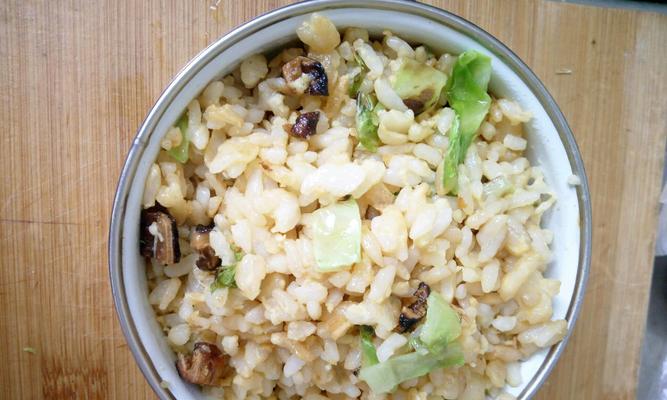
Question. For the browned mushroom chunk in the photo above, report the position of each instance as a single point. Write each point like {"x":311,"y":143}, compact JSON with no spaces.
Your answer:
{"x":316,"y":79}
{"x":207,"y":365}
{"x":305,"y":125}
{"x":418,"y":103}
{"x":200,"y":242}
{"x":416,"y":310}
{"x":158,"y":236}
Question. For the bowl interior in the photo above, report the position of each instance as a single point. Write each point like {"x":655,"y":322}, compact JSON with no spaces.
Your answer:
{"x":545,"y":150}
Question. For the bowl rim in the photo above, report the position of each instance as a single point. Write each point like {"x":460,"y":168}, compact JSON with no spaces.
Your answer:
{"x":438,"y":15}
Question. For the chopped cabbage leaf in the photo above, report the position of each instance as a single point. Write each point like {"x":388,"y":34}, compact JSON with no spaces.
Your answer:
{"x":367,"y":122}
{"x":466,"y":94}
{"x":435,"y":347}
{"x":358,"y":79}
{"x":385,"y":376}
{"x":337,"y":236}
{"x":368,"y":353}
{"x":442,"y":324}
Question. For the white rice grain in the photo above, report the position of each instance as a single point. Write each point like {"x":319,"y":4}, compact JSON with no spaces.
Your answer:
{"x":573,"y":180}
{"x":390,"y":345}
{"x":504,"y":324}
{"x":381,"y":285}
{"x":330,"y":352}
{"x":515,"y":143}
{"x":388,"y":97}
{"x":179,"y":334}
{"x":250,"y":272}
{"x":292,"y":366}
{"x":300,"y":330}
{"x":164,"y":293}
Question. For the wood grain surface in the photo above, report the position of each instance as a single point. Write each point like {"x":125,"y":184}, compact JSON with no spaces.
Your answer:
{"x":78,"y":77}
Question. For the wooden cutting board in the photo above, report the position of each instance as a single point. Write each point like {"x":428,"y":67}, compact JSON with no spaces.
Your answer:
{"x":78,"y":77}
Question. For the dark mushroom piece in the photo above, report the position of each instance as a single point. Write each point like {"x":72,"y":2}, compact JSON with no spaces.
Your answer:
{"x":206,"y":365}
{"x":204,"y":228}
{"x":200,"y":242}
{"x":418,"y":103}
{"x":416,"y":310}
{"x":319,"y":82}
{"x":305,"y":125}
{"x":158,"y":236}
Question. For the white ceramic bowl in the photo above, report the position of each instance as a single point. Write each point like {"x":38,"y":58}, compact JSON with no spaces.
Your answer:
{"x":551,"y":145}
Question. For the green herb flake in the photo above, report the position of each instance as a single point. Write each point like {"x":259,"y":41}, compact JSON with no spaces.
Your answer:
{"x":225,"y":277}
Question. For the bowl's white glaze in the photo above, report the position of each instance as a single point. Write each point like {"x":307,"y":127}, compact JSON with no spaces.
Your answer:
{"x":545,"y":149}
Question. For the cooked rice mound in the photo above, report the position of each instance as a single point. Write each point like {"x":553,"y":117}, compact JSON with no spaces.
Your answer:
{"x":257,"y":171}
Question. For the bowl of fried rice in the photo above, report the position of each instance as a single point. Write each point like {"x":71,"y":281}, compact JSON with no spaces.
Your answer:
{"x":343,"y":200}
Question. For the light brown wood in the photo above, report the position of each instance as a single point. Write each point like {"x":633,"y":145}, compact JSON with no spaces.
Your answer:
{"x":77,"y":78}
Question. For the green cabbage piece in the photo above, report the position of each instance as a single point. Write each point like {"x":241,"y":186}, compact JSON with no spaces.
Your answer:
{"x":367,"y":122}
{"x":435,"y":347}
{"x":442,"y":324}
{"x":368,"y":353}
{"x":385,"y":376}
{"x":180,"y":153}
{"x":337,"y":236}
{"x":467,"y":94}
{"x":418,"y":84}
{"x":358,"y":79}
{"x":451,"y":162}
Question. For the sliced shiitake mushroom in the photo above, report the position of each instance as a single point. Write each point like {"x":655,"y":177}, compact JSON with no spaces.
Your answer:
{"x":158,"y":236}
{"x":319,"y":82}
{"x":305,"y":125}
{"x":416,"y":310}
{"x":206,"y":365}
{"x":200,"y":242}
